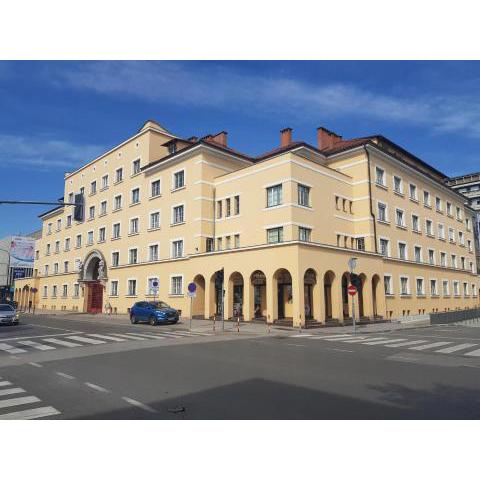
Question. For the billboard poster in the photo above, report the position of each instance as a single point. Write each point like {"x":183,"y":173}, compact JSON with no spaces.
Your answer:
{"x":22,"y":252}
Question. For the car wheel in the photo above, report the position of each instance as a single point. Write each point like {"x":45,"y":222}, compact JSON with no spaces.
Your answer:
{"x":153,"y":321}
{"x":133,"y":319}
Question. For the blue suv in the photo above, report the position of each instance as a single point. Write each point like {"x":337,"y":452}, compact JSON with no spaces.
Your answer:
{"x":153,"y":313}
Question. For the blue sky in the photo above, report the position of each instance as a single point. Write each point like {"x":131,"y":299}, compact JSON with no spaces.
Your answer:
{"x":56,"y":116}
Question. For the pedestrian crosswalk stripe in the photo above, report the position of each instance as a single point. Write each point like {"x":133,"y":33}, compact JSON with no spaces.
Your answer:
{"x":63,"y":343}
{"x":93,"y":341}
{"x":456,"y":348}
{"x":11,"y":391}
{"x":131,"y":337}
{"x":4,"y":383}
{"x":12,"y":402}
{"x":384,"y":342}
{"x":302,"y":335}
{"x":405,"y":344}
{"x":36,"y":345}
{"x":30,"y":414}
{"x":474,"y":353}
{"x":9,"y":349}
{"x":332,"y":337}
{"x":429,"y":345}
{"x":107,"y":337}
{"x":146,"y":335}
{"x":361,"y":340}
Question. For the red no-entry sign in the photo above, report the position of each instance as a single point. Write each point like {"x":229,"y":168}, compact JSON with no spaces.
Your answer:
{"x":352,"y":290}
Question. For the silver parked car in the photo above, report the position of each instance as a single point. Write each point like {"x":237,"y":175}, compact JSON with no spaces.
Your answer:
{"x":8,"y":315}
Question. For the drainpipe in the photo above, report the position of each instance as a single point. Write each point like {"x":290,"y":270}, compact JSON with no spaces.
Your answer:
{"x":214,"y":216}
{"x":372,"y":214}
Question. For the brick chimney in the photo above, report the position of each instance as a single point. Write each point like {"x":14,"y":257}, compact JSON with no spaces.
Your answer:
{"x":285,"y":137}
{"x":220,"y":138}
{"x":327,"y":139}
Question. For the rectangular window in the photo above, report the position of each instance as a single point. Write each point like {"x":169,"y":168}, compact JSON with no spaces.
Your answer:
{"x":303,"y":195}
{"x":45,"y":291}
{"x":382,"y":212}
{"x":275,"y":235}
{"x":413,"y":192}
{"x":445,"y":289}
{"x":46,"y":270}
{"x":380,"y":176}
{"x":153,"y":253}
{"x":426,"y":198}
{"x":419,"y":284}
{"x":54,"y":291}
{"x":418,"y":253}
{"x":433,"y":287}
{"x":90,"y":237}
{"x":155,"y":220}
{"x":304,"y":234}
{"x":55,"y":268}
{"x":228,"y":242}
{"x":155,"y":188}
{"x":135,"y":196}
{"x":438,"y":204}
{"x":402,"y":251}
{"x":103,"y":208}
{"x":399,"y":218}
{"x":64,"y":290}
{"x":104,"y":182}
{"x":219,"y":208}
{"x":114,"y":288}
{"x":384,"y":247}
{"x":101,"y":234}
{"x":449,"y":209}
{"x":59,"y":224}
{"x":133,"y":256}
{"x":49,"y":229}
{"x":228,"y":207}
{"x":360,"y":244}
{"x":132,"y":287}
{"x":116,"y":230}
{"x":91,"y":213}
{"x":404,"y":287}
{"x":117,"y":202}
{"x":461,"y":238}
{"x":237,"y":240}
{"x":209,"y":245}
{"x":115,"y":259}
{"x":387,"y":283}
{"x":93,"y":188}
{"x":451,"y":235}
{"x":177,"y":248}
{"x":47,"y":249}
{"x":136,"y":166}
{"x":69,"y":220}
{"x":133,"y":226}
{"x":176,"y":285}
{"x":65,"y":266}
{"x":397,"y":184}
{"x":441,"y":231}
{"x":118,"y":175}
{"x":429,"y":227}
{"x":78,"y":241}
{"x":57,"y":246}
{"x":76,"y":290}
{"x":67,"y":244}
{"x":219,"y":243}
{"x":456,"y":288}
{"x":431,"y":256}
{"x":454,"y":261}
{"x":178,"y":214}
{"x":236,"y":208}
{"x":178,"y":179}
{"x":274,"y":196}
{"x":415,"y":223}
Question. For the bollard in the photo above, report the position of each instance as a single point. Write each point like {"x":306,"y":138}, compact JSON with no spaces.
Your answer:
{"x":214,"y":322}
{"x":238,"y":324}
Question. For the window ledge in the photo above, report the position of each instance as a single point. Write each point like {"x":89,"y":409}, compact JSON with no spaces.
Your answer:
{"x":133,"y":204}
{"x":116,"y":209}
{"x":176,"y":295}
{"x":402,"y":227}
{"x":104,"y":188}
{"x":430,"y":235}
{"x":101,"y":241}
{"x":68,"y":226}
{"x":178,"y":223}
{"x":102,"y":214}
{"x":427,"y":206}
{"x":418,"y":232}
{"x":155,"y":196}
{"x":382,"y":186}
{"x":133,"y":234}
{"x":113,"y":296}
{"x":115,"y":238}
{"x":118,"y":182}
{"x":177,"y":189}
{"x":384,"y":222}
{"x":135,"y":174}
{"x":153,"y":229}
{"x":400,"y":194}
{"x":405,"y":295}
{"x":131,"y":296}
{"x":414,"y":200}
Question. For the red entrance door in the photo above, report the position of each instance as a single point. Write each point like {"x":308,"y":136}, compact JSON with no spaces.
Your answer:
{"x":95,"y":297}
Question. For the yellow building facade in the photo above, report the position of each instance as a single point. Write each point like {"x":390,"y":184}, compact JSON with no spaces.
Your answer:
{"x":281,"y":227}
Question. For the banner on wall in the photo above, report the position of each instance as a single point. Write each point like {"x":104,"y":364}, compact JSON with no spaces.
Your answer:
{"x":22,"y":252}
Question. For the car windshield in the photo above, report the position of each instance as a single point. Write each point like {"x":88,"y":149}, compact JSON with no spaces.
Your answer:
{"x":159,"y":305}
{"x":5,"y":308}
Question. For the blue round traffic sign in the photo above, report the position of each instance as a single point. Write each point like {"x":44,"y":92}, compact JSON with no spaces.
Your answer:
{"x":155,"y":284}
{"x":192,"y":287}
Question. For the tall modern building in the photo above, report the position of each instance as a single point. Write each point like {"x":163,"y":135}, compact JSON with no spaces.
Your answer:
{"x":265,"y":237}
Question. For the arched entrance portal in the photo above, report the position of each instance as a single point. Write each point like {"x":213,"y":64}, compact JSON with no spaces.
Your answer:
{"x":236,"y":289}
{"x":259,"y":282}
{"x":309,"y":284}
{"x":93,"y":275}
{"x":198,"y":303}
{"x":375,"y":284}
{"x":328,"y":280}
{"x":284,"y":294}
{"x":361,"y":307}
{"x":345,"y":283}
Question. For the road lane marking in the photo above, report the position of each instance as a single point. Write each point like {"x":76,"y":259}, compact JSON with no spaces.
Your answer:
{"x":107,"y":337}
{"x":10,"y":391}
{"x":339,"y":349}
{"x":152,"y":335}
{"x":63,"y":343}
{"x":456,"y":348}
{"x":474,"y":353}
{"x":96,"y":387}
{"x":36,"y":345}
{"x":34,"y":364}
{"x":295,"y":345}
{"x":65,"y":375}
{"x":9,"y":349}
{"x":331,"y":337}
{"x":429,"y":345}
{"x":384,"y":342}
{"x":301,"y":335}
{"x":138,"y":404}
{"x":4,"y":383}
{"x":405,"y":344}
{"x":72,"y":332}
{"x":364,"y":339}
{"x":93,"y":341}
{"x":131,"y":337}
{"x":30,"y":414}
{"x":12,"y":402}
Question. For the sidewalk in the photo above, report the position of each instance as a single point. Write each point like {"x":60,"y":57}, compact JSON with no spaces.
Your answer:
{"x":229,"y":326}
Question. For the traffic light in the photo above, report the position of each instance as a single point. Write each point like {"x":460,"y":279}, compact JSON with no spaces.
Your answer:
{"x":79,"y":209}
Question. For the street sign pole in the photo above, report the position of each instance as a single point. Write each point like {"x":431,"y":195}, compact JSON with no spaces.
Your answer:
{"x":191,"y":289}
{"x":352,"y":263}
{"x":191,"y":312}
{"x":353,"y":315}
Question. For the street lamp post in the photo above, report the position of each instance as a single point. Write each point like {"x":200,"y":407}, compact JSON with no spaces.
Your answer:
{"x":352,"y":263}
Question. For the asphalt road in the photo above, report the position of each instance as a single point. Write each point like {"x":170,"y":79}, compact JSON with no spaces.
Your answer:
{"x":54,"y":368}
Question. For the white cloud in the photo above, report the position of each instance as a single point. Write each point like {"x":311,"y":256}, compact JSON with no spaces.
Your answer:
{"x":210,"y":85}
{"x":41,"y":153}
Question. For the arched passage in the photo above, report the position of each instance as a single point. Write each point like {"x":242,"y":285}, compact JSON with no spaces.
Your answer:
{"x":328,"y":280}
{"x":283,"y":279}
{"x":236,"y":292}
{"x":93,"y":272}
{"x":309,"y":288}
{"x":198,"y":303}
{"x":345,"y":306}
{"x":258,"y":280}
{"x":375,"y":294}
{"x":361,"y":290}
